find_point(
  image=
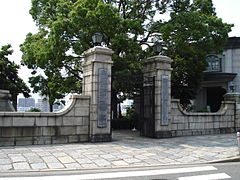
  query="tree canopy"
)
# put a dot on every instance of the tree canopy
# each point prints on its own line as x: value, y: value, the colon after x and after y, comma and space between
x: 192, y: 32
x: 129, y: 28
x: 9, y: 79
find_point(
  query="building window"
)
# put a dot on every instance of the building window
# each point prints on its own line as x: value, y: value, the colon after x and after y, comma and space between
x: 214, y: 63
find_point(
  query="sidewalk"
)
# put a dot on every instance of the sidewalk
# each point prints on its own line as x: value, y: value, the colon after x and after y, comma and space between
x: 126, y: 150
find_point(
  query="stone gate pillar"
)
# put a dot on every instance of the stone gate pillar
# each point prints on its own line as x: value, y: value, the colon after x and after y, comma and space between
x: 97, y: 84
x: 235, y: 97
x: 160, y: 68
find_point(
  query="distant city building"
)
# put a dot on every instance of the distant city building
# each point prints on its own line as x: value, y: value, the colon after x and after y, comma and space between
x: 23, y: 109
x: 57, y: 107
x: 125, y: 105
x: 25, y: 104
x: 43, y: 105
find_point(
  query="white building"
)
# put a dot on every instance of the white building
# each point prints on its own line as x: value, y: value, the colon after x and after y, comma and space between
x: 25, y: 104
x: 44, y: 106
x: 222, y: 73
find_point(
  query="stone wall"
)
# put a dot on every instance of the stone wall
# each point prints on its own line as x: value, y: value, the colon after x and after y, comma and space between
x: 87, y: 118
x: 235, y: 97
x: 170, y: 120
x: 237, y: 118
x: 67, y: 126
x: 188, y: 124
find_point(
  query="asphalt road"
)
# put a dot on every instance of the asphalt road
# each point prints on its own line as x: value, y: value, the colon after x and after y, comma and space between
x: 230, y: 170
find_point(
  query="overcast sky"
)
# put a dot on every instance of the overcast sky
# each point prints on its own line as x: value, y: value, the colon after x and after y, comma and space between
x: 16, y: 22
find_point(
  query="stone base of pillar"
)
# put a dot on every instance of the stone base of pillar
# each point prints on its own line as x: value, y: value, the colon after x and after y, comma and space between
x: 5, y: 104
x: 163, y: 134
x: 196, y: 132
x: 101, y: 138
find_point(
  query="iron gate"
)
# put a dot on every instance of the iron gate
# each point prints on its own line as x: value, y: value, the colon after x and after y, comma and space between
x: 147, y: 119
x: 145, y: 88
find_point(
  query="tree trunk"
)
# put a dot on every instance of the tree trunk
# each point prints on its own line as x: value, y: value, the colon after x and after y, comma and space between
x: 14, y: 101
x: 114, y: 103
x: 119, y: 110
x: 51, y: 107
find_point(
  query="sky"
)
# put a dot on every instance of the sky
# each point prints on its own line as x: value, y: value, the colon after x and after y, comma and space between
x: 16, y: 23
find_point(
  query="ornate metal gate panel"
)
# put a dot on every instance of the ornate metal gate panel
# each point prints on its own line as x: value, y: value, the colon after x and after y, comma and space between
x: 147, y: 127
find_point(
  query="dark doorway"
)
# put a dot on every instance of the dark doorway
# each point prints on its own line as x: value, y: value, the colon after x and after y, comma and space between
x: 215, y: 97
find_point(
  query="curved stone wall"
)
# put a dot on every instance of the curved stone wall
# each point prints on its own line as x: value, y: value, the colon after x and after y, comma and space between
x: 190, y: 123
x: 66, y: 126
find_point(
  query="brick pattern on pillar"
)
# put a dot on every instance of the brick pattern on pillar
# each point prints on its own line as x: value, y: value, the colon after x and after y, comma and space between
x: 160, y: 68
x: 97, y: 84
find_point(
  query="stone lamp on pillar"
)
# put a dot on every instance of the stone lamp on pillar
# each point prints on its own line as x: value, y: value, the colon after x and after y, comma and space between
x: 157, y: 48
x: 97, y: 39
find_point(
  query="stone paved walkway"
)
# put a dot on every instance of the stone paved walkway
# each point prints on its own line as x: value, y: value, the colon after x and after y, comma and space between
x: 127, y: 150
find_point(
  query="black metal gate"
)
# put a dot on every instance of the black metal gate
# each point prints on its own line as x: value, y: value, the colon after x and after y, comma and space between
x: 135, y: 84
x: 145, y: 88
x: 147, y: 124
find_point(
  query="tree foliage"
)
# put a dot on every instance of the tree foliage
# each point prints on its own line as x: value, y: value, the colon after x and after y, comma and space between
x: 54, y: 73
x: 128, y: 27
x: 192, y: 32
x: 9, y: 79
x: 34, y: 110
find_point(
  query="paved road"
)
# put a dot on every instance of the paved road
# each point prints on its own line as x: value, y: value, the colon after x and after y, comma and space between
x: 127, y: 150
x: 179, y: 172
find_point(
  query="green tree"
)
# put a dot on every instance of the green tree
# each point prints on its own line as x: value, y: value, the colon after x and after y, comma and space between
x: 192, y: 32
x: 54, y: 73
x: 128, y: 27
x: 65, y: 31
x: 9, y: 79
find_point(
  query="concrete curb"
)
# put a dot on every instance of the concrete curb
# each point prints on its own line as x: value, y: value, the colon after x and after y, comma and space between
x: 233, y: 159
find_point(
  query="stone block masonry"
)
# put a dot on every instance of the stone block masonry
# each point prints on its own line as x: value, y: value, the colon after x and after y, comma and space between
x: 170, y: 120
x: 97, y: 84
x: 67, y: 126
x: 159, y: 67
x: 87, y: 118
x: 189, y: 124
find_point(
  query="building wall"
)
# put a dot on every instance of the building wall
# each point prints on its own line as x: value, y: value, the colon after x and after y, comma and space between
x: 236, y: 67
x: 227, y: 61
x: 231, y: 64
x: 26, y: 102
x: 43, y: 105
